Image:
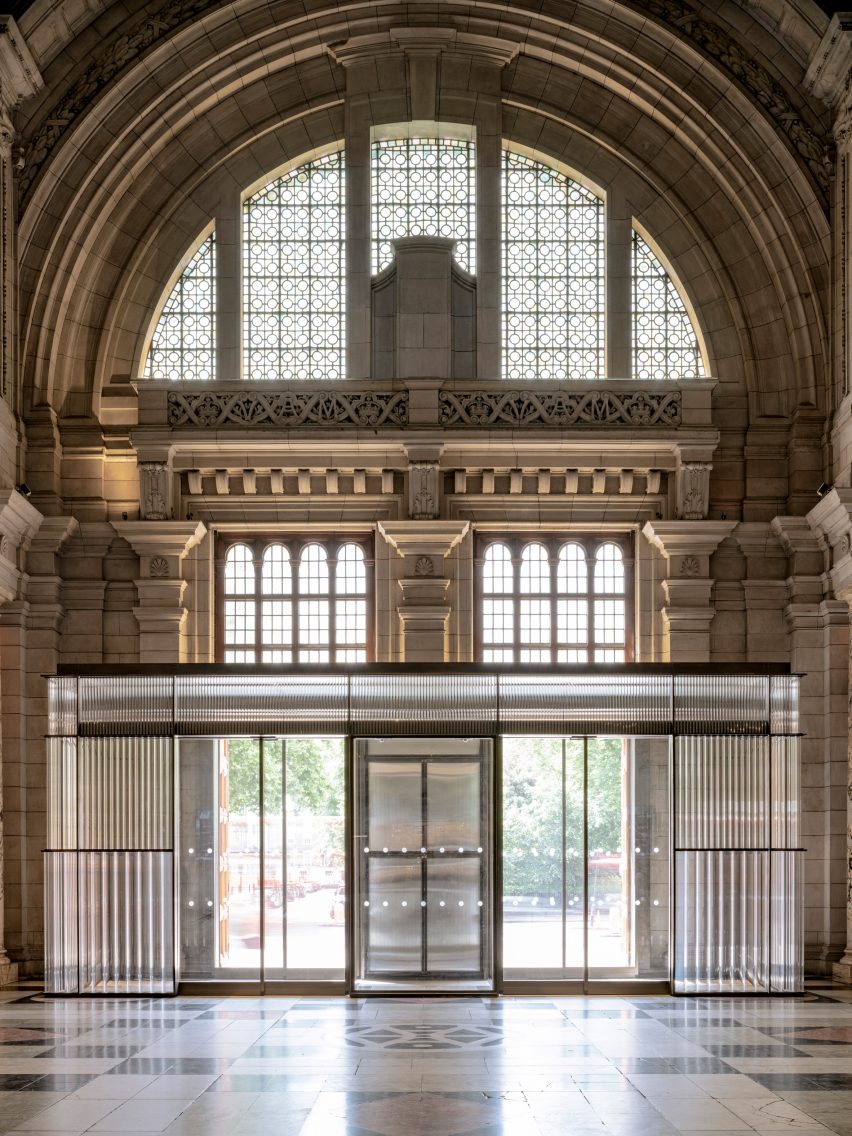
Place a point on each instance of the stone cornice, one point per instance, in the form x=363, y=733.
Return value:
x=419, y=40
x=687, y=538
x=426, y=538
x=166, y=539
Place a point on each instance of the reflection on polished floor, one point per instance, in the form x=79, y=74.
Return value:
x=466, y=1066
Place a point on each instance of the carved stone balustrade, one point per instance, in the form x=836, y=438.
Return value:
x=426, y=403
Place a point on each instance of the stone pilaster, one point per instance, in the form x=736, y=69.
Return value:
x=161, y=587
x=426, y=582
x=686, y=547
x=831, y=519
x=19, y=523
x=817, y=637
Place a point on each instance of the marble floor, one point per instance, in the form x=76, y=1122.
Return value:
x=637, y=1066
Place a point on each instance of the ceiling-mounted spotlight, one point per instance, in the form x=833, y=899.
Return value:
x=824, y=488
x=24, y=489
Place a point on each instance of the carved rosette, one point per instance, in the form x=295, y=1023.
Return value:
x=154, y=491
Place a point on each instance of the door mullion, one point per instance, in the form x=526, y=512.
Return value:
x=424, y=869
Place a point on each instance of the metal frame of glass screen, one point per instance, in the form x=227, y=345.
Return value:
x=358, y=885
x=716, y=706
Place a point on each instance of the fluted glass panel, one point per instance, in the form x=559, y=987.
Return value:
x=634, y=704
x=126, y=923
x=62, y=704
x=722, y=792
x=722, y=913
x=125, y=793
x=240, y=704
x=405, y=703
x=126, y=704
x=721, y=704
x=786, y=927
x=61, y=793
x=785, y=789
x=60, y=923
x=784, y=704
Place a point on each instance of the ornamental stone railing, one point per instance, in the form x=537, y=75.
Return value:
x=287, y=408
x=516, y=408
x=426, y=404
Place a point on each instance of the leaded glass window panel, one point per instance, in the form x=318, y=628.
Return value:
x=665, y=345
x=294, y=270
x=553, y=274
x=182, y=346
x=553, y=600
x=295, y=601
x=497, y=570
x=239, y=571
x=423, y=186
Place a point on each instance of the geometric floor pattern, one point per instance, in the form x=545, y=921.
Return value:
x=471, y=1066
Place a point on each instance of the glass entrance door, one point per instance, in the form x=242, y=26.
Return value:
x=585, y=859
x=422, y=856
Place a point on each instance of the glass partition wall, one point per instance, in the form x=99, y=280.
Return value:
x=469, y=828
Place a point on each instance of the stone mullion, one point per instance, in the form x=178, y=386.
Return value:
x=618, y=296
x=228, y=296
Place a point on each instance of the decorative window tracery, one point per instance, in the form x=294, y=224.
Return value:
x=294, y=601
x=557, y=599
x=553, y=274
x=182, y=346
x=294, y=269
x=423, y=186
x=554, y=271
x=665, y=345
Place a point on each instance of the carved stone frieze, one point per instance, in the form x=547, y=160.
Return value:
x=287, y=408
x=560, y=408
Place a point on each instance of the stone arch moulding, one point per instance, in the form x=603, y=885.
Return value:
x=65, y=304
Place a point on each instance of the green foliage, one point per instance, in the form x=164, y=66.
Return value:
x=532, y=811
x=314, y=776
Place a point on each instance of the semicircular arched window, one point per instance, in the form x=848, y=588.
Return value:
x=554, y=272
